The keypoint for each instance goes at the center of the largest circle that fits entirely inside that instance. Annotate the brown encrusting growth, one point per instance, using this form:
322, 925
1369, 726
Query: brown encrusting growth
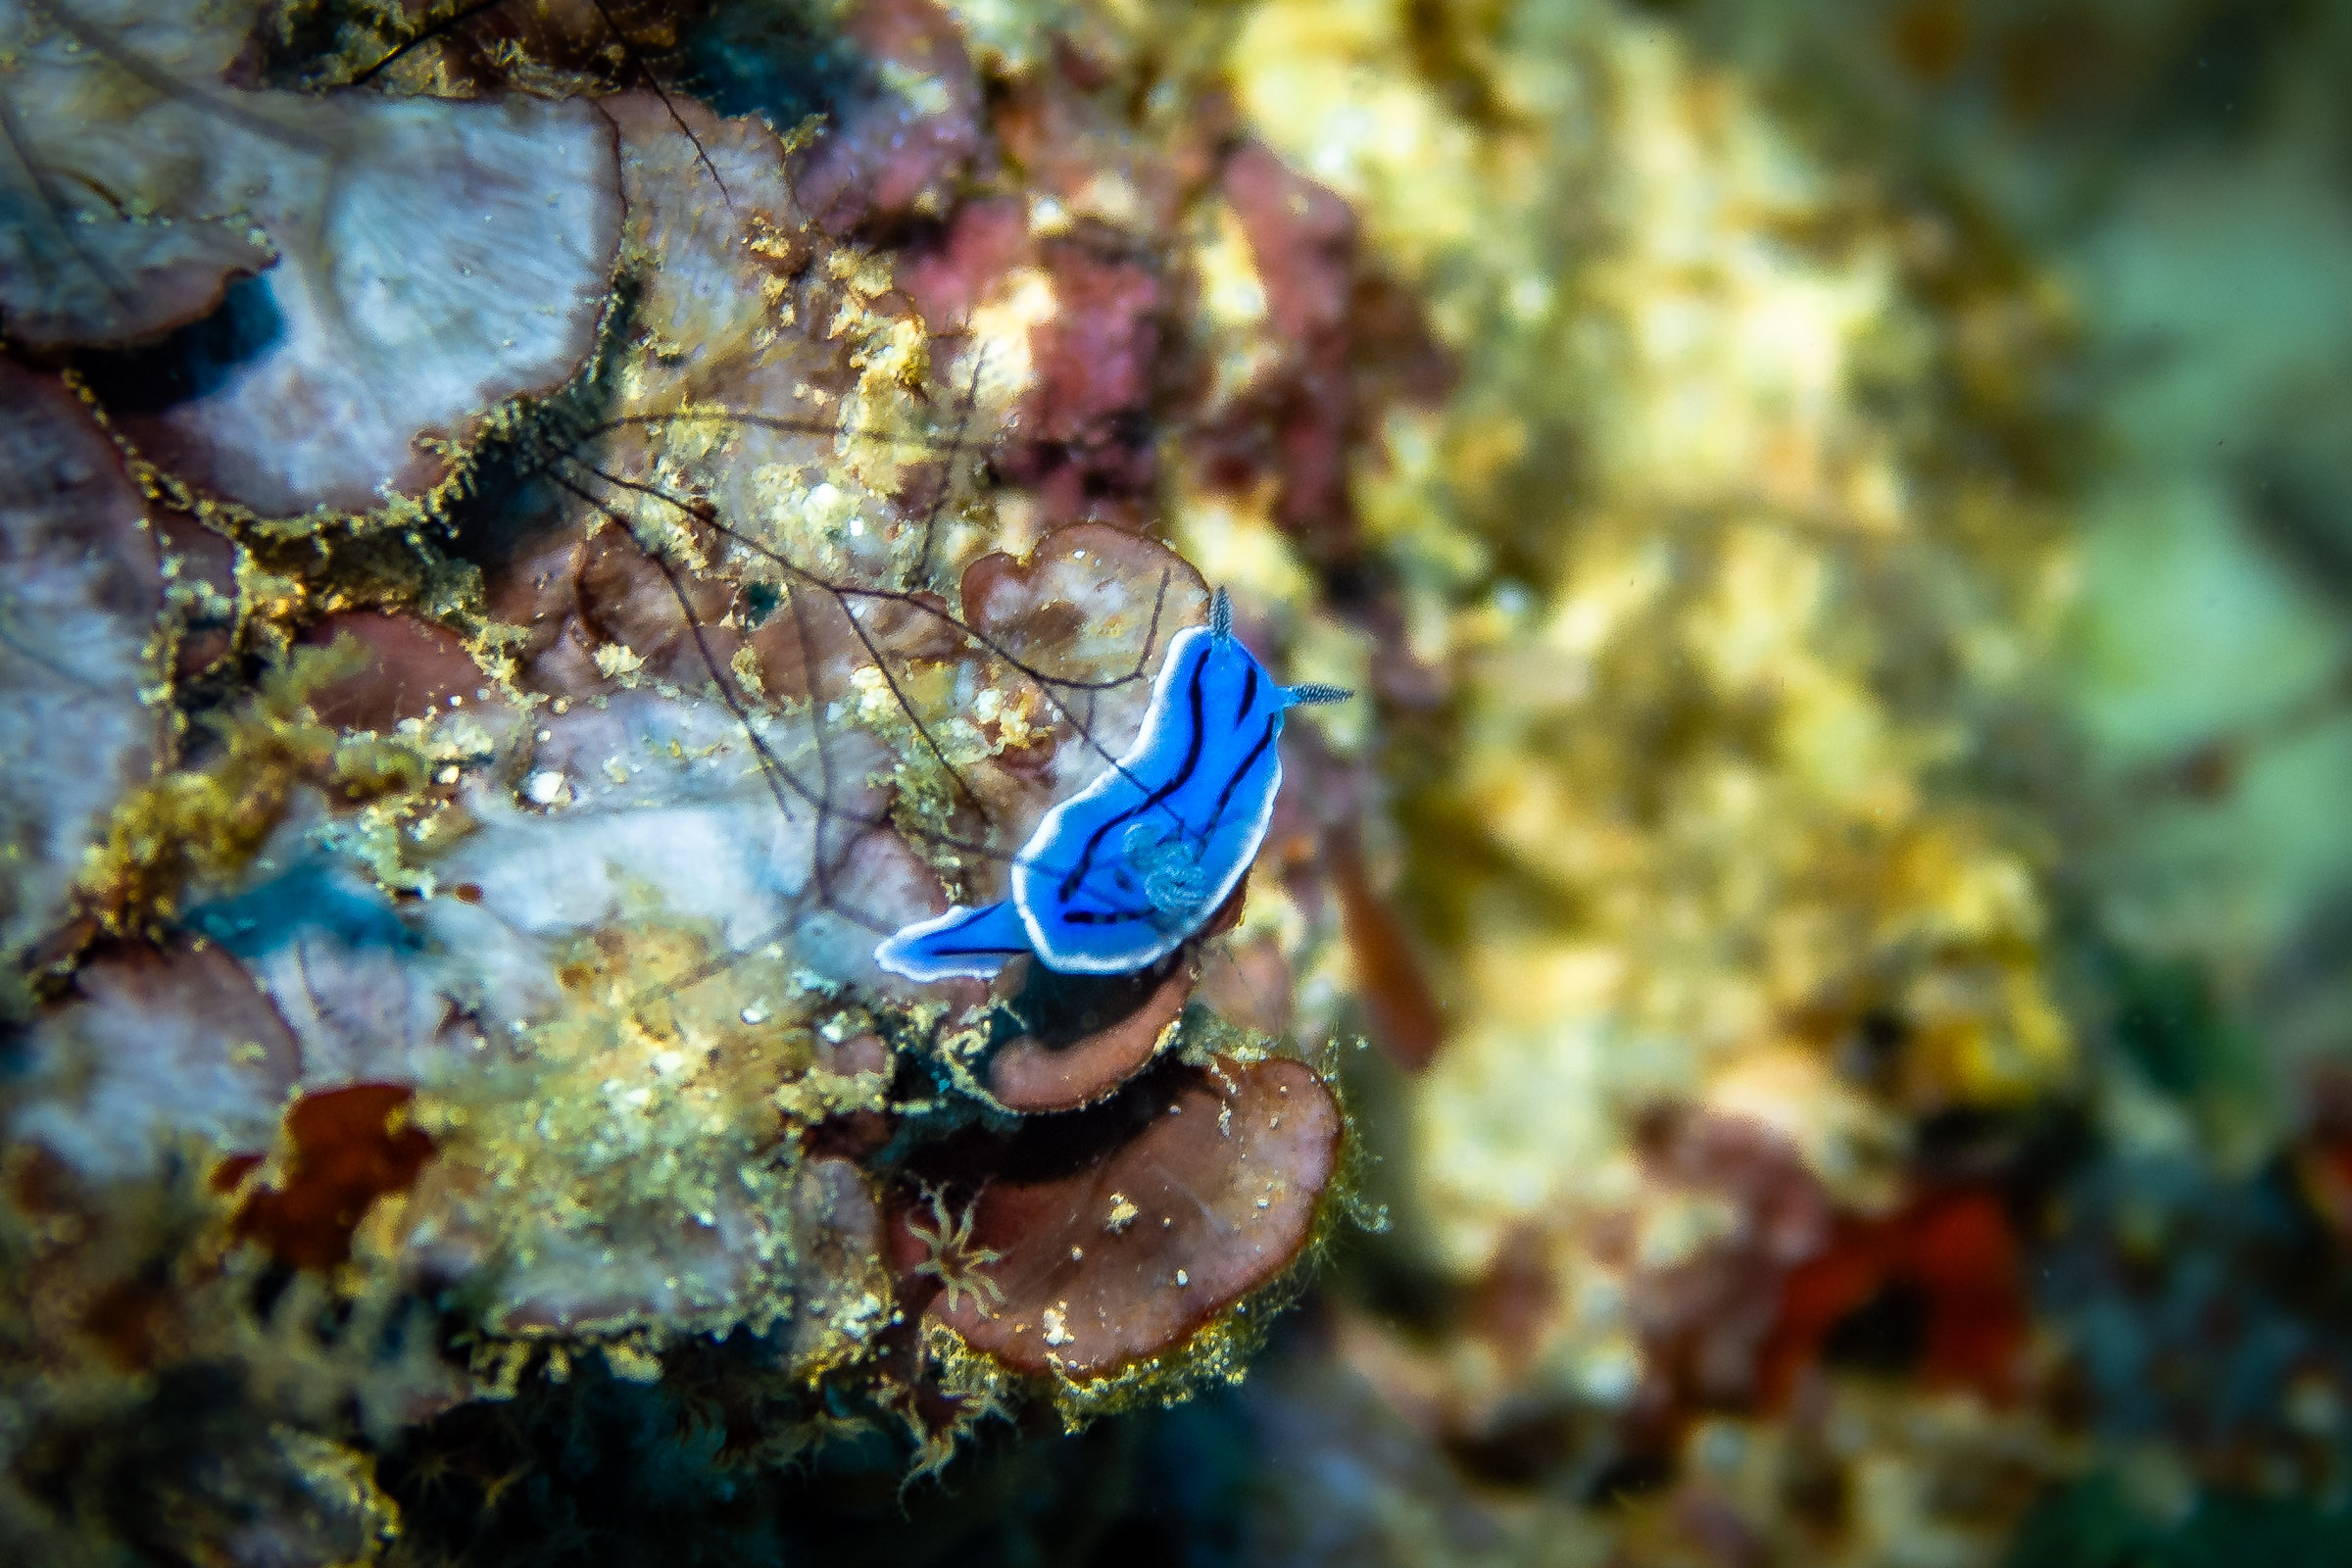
1951, 1259
1348, 341
411, 669
1098, 357
1084, 1035
896, 150
349, 1147
1399, 1004
1706, 1317
1107, 1240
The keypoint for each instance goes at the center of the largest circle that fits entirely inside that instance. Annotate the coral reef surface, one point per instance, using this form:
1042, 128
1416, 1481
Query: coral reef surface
1798, 1018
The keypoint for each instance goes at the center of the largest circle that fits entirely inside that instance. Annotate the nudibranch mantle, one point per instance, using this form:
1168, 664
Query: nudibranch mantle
1122, 873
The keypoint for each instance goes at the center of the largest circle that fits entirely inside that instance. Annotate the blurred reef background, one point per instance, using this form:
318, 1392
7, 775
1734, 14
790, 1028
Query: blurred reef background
1802, 1016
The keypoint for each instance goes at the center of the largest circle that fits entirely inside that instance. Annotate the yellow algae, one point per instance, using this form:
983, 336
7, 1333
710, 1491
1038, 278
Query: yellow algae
211, 821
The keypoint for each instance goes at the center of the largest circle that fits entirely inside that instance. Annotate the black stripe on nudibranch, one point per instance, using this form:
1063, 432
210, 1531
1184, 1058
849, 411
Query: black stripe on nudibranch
1225, 796
1192, 760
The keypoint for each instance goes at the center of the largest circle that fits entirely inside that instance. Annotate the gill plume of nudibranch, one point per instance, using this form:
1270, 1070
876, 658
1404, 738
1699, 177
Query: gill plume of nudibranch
1123, 872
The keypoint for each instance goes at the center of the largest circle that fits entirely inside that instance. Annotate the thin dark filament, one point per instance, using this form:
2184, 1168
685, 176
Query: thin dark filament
628, 54
1265, 1006
777, 777
1046, 684
817, 728
772, 773
786, 424
857, 629
712, 968
947, 471
882, 668
163, 82
782, 423
821, 868
425, 36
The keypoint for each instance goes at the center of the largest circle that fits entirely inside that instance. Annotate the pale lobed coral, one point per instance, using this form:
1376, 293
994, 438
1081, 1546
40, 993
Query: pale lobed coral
350, 256
84, 589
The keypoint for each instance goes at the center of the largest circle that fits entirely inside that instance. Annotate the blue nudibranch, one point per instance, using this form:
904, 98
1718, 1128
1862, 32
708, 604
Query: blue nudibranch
1118, 875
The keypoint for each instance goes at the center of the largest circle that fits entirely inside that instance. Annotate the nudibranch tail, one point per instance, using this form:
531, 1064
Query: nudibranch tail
1312, 695
961, 942
1220, 615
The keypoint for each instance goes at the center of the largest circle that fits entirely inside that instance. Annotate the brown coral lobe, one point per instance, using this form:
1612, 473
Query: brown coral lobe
1086, 1034
1119, 1233
412, 667
898, 144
